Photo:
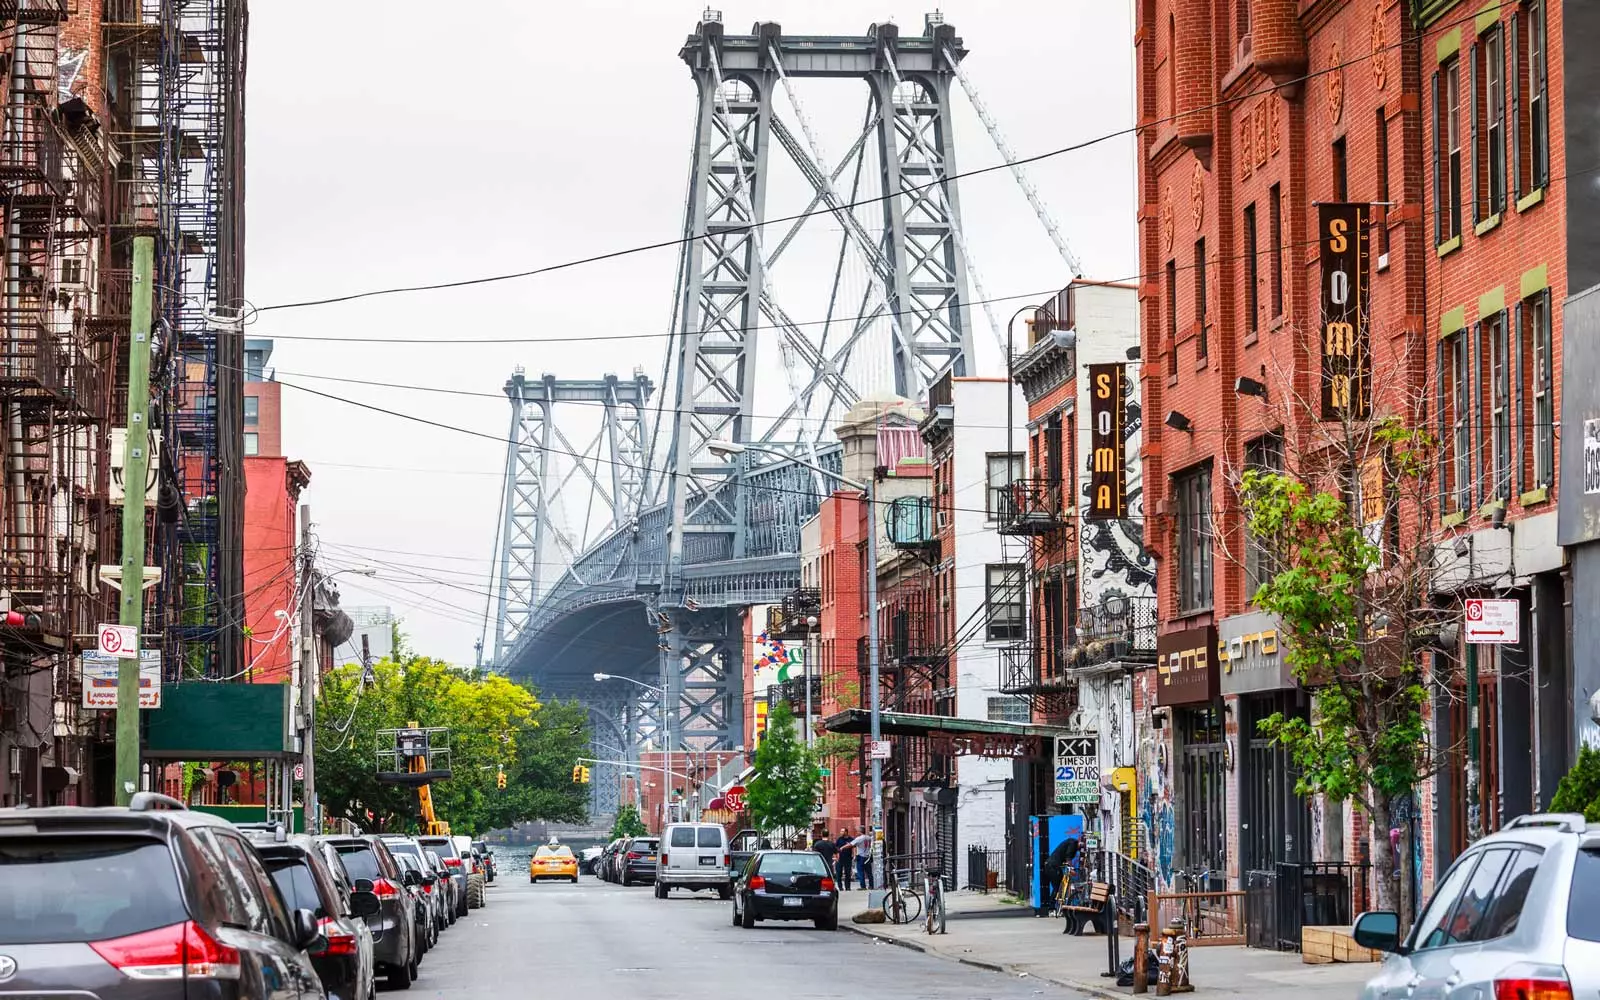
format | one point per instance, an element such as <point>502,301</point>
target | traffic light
<point>577,773</point>
<point>500,780</point>
<point>585,776</point>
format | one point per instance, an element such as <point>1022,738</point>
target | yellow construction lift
<point>416,756</point>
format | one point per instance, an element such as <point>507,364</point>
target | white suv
<point>694,856</point>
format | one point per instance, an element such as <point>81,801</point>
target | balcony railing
<point>1034,667</point>
<point>793,691</point>
<point>910,523</point>
<point>1120,628</point>
<point>1032,507</point>
<point>797,616</point>
<point>32,151</point>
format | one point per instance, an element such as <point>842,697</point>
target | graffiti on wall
<point>1157,819</point>
<point>69,64</point>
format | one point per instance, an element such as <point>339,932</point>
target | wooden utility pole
<point>135,471</point>
<point>308,673</point>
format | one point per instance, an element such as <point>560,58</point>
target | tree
<point>1346,533</point>
<point>1579,791</point>
<point>782,795</point>
<point>628,823</point>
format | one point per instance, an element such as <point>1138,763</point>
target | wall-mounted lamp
<point>1462,546</point>
<point>1178,422</point>
<point>1244,385</point>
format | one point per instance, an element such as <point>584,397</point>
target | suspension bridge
<point>635,547</point>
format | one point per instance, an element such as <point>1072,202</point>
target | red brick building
<point>273,485</point>
<point>1432,120</point>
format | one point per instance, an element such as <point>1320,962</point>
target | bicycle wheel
<point>894,907</point>
<point>937,905</point>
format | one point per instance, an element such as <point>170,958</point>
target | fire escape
<point>1036,668</point>
<point>913,678</point>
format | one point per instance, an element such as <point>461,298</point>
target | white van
<point>694,856</point>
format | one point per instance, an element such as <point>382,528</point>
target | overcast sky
<point>389,145</point>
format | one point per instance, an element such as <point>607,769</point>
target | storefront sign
<point>1186,665</point>
<point>1078,769</point>
<point>1346,363</point>
<point>1108,476</point>
<point>100,679</point>
<point>987,745</point>
<point>1250,655</point>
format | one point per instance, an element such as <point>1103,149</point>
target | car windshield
<point>85,889</point>
<point>360,861</point>
<point>297,885</point>
<point>683,836</point>
<point>643,846</point>
<point>710,837</point>
<point>793,863</point>
<point>444,845</point>
<point>553,852</point>
<point>399,847</point>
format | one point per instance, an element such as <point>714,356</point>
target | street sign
<point>299,772</point>
<point>825,771</point>
<point>734,798</point>
<point>1493,620</point>
<point>1078,769</point>
<point>100,679</point>
<point>880,750</point>
<point>121,641</point>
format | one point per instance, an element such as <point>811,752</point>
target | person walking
<point>824,846</point>
<point>844,868</point>
<point>861,848</point>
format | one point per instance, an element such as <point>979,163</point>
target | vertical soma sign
<point>1108,477</point>
<point>1346,363</point>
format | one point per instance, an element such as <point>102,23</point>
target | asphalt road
<point>597,941</point>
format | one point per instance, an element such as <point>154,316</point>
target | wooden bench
<point>1081,915</point>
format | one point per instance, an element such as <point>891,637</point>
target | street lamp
<point>875,807</point>
<point>666,722</point>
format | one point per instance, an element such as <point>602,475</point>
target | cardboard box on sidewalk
<point>1326,945</point>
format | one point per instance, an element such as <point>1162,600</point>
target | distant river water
<point>512,859</point>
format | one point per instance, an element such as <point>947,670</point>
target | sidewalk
<point>1025,945</point>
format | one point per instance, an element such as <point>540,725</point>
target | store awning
<point>976,736</point>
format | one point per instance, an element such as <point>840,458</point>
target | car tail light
<point>452,862</point>
<point>725,861</point>
<point>827,885</point>
<point>339,943</point>
<point>427,887</point>
<point>384,889</point>
<point>634,855</point>
<point>663,861</point>
<point>175,952</point>
<point>757,882</point>
<point>1532,989</point>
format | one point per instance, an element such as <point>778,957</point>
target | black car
<point>394,932</point>
<point>637,859</point>
<point>151,902</point>
<point>786,885</point>
<point>300,870</point>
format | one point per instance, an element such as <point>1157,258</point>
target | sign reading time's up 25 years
<point>1108,480</point>
<point>1346,362</point>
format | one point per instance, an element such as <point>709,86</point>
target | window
<point>1200,297</point>
<point>1447,151</point>
<point>1172,317</point>
<point>1511,894</point>
<point>1004,599</point>
<point>254,363</point>
<point>71,271</point>
<point>1172,65</point>
<point>252,409</point>
<point>1009,709</point>
<point>1381,144</point>
<point>88,888</point>
<point>1489,125</point>
<point>1583,905</point>
<point>682,836</point>
<point>1341,172</point>
<point>1499,393</point>
<point>1193,491</point>
<point>297,885</point>
<point>1530,106</point>
<point>1458,377</point>
<point>1004,469</point>
<point>252,443</point>
<point>1252,273</point>
<point>706,836</point>
<point>1537,385</point>
<point>1436,918</point>
<point>1264,454</point>
<point>1275,236</point>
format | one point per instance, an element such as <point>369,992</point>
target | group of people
<point>848,857</point>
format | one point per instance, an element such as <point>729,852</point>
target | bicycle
<point>933,886</point>
<point>902,903</point>
<point>1193,914</point>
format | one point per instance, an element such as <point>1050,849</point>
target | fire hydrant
<point>1173,959</point>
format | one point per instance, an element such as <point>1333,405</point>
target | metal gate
<point>1203,838</point>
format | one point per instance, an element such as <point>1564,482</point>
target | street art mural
<point>773,661</point>
<point>1157,820</point>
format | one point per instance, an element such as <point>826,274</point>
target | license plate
<point>708,861</point>
<point>792,901</point>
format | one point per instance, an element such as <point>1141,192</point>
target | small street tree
<point>782,796</point>
<point>628,823</point>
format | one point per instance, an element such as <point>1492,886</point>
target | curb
<point>1092,989</point>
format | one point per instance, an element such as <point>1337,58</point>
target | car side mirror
<point>412,877</point>
<point>1379,930</point>
<point>307,935</point>
<point>363,903</point>
<point>363,885</point>
<point>429,879</point>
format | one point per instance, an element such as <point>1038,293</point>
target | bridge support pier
<point>702,669</point>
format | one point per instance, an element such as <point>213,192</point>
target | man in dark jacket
<point>824,846</point>
<point>846,864</point>
<point>1055,867</point>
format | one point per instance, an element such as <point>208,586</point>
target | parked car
<point>638,860</point>
<point>607,863</point>
<point>743,846</point>
<point>446,886</point>
<point>587,859</point>
<point>394,932</point>
<point>553,861</point>
<point>694,856</point>
<point>1516,916</point>
<point>151,902</point>
<point>299,869</point>
<point>454,863</point>
<point>412,879</point>
<point>486,853</point>
<point>475,883</point>
<point>429,885</point>
<point>786,885</point>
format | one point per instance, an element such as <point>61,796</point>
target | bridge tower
<point>541,461</point>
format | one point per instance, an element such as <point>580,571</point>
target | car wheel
<point>416,969</point>
<point>748,918</point>
<point>626,881</point>
<point>661,890</point>
<point>399,977</point>
<point>828,923</point>
<point>574,880</point>
<point>725,892</point>
<point>734,909</point>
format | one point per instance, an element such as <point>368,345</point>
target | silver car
<point>1517,917</point>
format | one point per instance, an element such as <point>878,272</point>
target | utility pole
<point>308,674</point>
<point>135,471</point>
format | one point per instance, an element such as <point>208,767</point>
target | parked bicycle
<point>1194,914</point>
<point>933,887</point>
<point>902,901</point>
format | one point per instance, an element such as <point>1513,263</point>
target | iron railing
<point>1120,628</point>
<point>910,523</point>
<point>1283,900</point>
<point>793,691</point>
<point>1131,881</point>
<point>1032,507</point>
<point>986,869</point>
<point>1035,667</point>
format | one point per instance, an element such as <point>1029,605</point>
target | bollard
<point>1180,958</point>
<point>1141,959</point>
<point>1164,962</point>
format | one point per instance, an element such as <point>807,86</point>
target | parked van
<point>694,856</point>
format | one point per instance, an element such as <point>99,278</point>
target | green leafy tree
<point>1347,536</point>
<point>1579,791</point>
<point>782,795</point>
<point>628,823</point>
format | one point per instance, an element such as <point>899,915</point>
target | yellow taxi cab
<point>553,861</point>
